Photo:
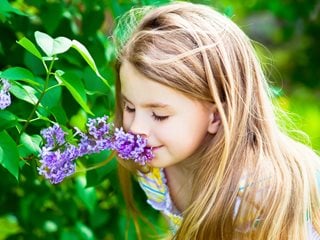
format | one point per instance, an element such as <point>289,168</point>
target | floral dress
<point>154,184</point>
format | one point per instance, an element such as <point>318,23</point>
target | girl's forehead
<point>132,80</point>
<point>141,90</point>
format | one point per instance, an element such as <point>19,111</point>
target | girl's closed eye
<point>158,117</point>
<point>128,108</point>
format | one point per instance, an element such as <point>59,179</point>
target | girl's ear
<point>214,121</point>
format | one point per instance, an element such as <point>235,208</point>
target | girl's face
<point>174,124</point>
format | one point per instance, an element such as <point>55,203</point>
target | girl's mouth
<point>156,148</point>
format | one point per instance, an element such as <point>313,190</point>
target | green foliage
<point>60,64</point>
<point>9,156</point>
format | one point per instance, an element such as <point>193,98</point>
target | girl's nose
<point>138,126</point>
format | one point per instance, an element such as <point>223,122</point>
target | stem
<point>48,70</point>
<point>100,164</point>
<point>52,87</point>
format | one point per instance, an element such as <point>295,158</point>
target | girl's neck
<point>179,182</point>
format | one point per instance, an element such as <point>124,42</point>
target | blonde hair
<point>203,54</point>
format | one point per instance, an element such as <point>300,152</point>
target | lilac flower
<point>89,145</point>
<point>54,136</point>
<point>58,156</point>
<point>58,164</point>
<point>132,147</point>
<point>5,99</point>
<point>99,127</point>
<point>98,137</point>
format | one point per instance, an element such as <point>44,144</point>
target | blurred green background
<point>90,205</point>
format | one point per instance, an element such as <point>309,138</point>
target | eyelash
<point>159,118</point>
<point>155,116</point>
<point>129,109</point>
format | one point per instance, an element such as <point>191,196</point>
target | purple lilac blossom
<point>132,146</point>
<point>58,156</point>
<point>99,127</point>
<point>5,99</point>
<point>57,165</point>
<point>54,136</point>
<point>98,137</point>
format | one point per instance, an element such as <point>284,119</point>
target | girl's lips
<point>156,148</point>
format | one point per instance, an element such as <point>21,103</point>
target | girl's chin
<point>158,163</point>
<point>155,163</point>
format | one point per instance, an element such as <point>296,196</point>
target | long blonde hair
<point>203,54</point>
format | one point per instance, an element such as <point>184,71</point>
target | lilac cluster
<point>58,155</point>
<point>131,146</point>
<point>5,99</point>
<point>98,137</point>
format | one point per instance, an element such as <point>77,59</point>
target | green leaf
<point>32,143</point>
<point>74,84</point>
<point>9,157</point>
<point>30,47</point>
<point>51,15</point>
<point>78,231</point>
<point>96,176</point>
<point>79,120</point>
<point>68,234</point>
<point>87,57</point>
<point>84,231</point>
<point>9,226</point>
<point>87,195</point>
<point>24,92</point>
<point>52,46</point>
<point>19,73</point>
<point>7,119</point>
<point>6,8</point>
<point>93,84</point>
<point>52,96</point>
<point>59,114</point>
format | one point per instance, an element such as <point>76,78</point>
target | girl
<point>189,81</point>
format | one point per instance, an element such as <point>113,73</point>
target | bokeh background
<point>90,205</point>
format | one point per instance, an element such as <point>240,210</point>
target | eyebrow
<point>149,105</point>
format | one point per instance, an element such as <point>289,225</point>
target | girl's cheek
<point>126,121</point>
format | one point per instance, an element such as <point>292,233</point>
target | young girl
<point>190,82</point>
